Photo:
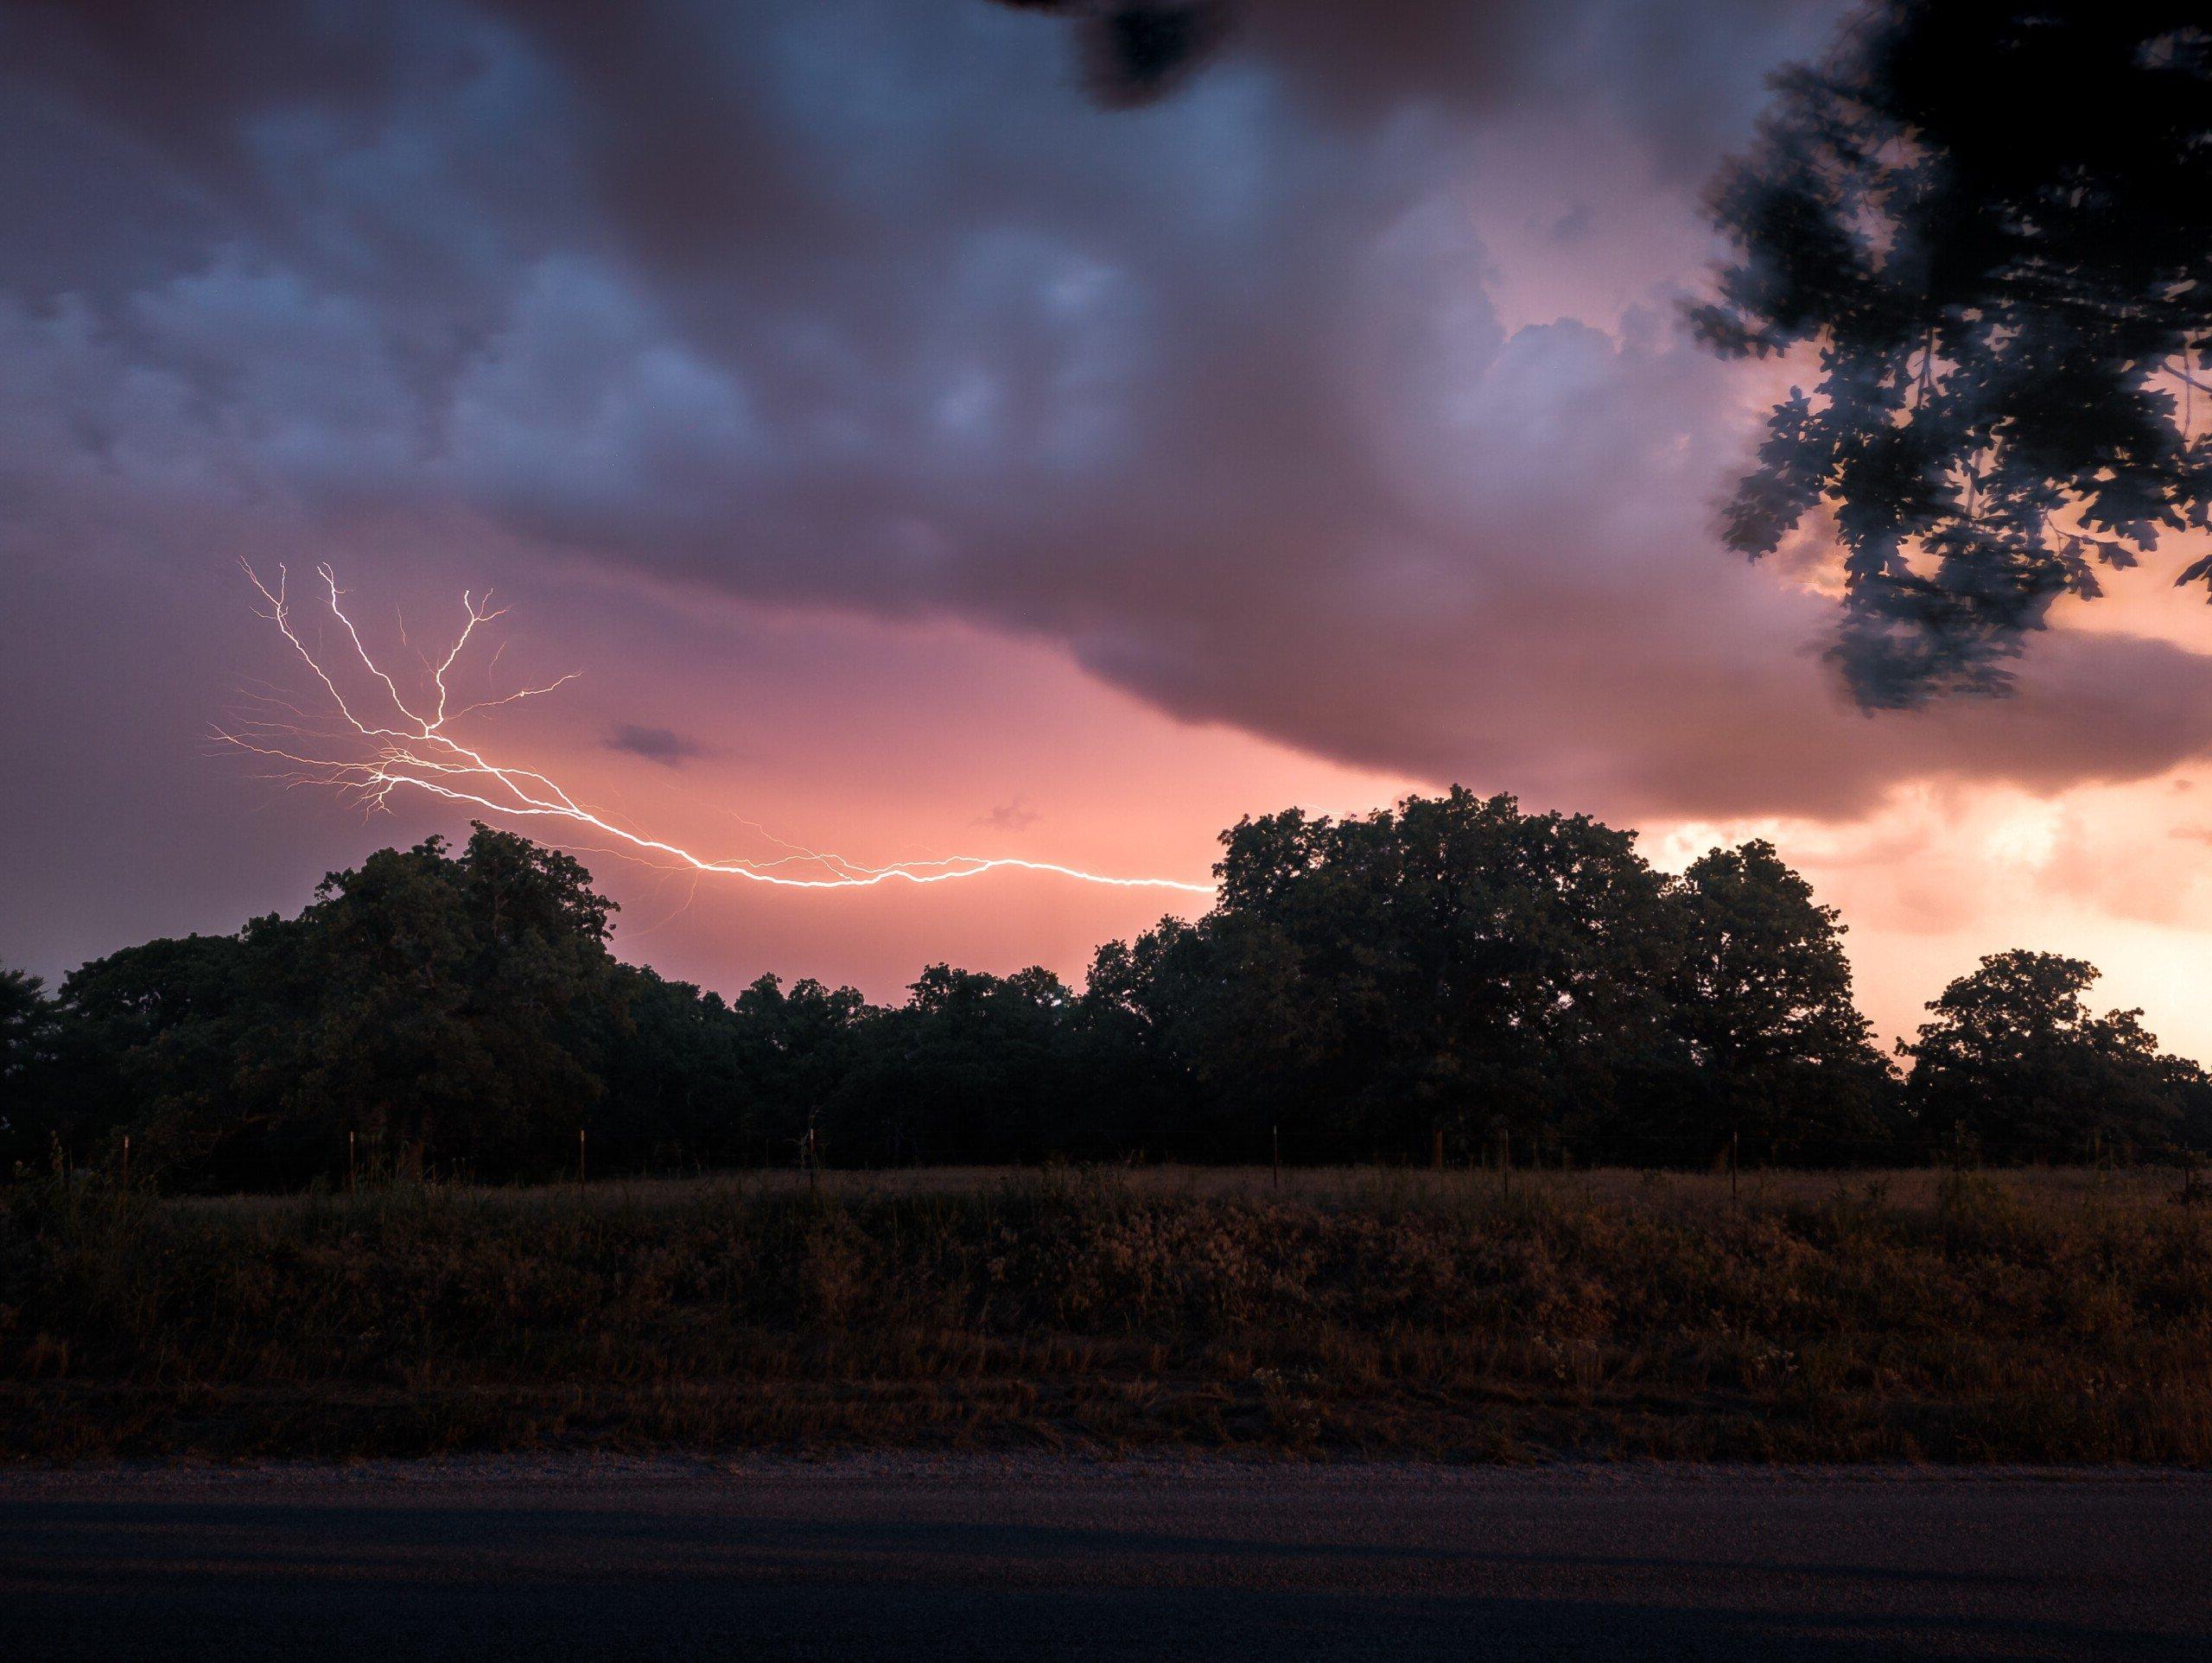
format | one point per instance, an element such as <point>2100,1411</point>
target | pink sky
<point>891,742</point>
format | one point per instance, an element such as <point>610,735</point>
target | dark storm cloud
<point>866,305</point>
<point>662,745</point>
<point>1684,72</point>
<point>1014,816</point>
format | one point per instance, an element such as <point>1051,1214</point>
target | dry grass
<point>2044,1316</point>
<point>1906,1189</point>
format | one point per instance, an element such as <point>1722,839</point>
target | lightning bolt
<point>412,748</point>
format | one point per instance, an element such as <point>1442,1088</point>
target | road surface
<point>1032,1557</point>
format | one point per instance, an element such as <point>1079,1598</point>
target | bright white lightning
<point>412,749</point>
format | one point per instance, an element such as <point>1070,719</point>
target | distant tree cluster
<point>1436,977</point>
<point>2015,1056</point>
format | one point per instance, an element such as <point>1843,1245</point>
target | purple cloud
<point>662,745</point>
<point>1251,399</point>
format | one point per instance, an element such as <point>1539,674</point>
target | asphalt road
<point>1035,1558</point>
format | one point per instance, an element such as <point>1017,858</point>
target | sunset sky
<point>911,456</point>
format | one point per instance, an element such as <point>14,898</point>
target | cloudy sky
<point>910,454</point>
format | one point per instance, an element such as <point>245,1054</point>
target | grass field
<point>2044,1316</point>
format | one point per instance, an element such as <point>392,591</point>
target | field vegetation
<point>2034,1316</point>
<point>1527,1088</point>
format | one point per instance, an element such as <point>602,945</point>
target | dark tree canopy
<point>1454,957</point>
<point>1456,965</point>
<point>2015,1062</point>
<point>1436,974</point>
<point>974,1068</point>
<point>437,1008</point>
<point>1761,996</point>
<point>1994,220</point>
<point>27,1033</point>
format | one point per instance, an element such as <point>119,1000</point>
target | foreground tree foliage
<point>1986,227</point>
<point>1993,219</point>
<point>1449,975</point>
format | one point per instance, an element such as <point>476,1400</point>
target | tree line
<point>1451,977</point>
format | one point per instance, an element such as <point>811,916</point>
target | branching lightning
<point>413,748</point>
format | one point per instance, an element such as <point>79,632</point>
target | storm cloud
<point>664,745</point>
<point>1285,400</point>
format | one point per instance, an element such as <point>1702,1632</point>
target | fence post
<point>1275,1139</point>
<point>1505,1163</point>
<point>126,1160</point>
<point>1734,1134</point>
<point>580,1162</point>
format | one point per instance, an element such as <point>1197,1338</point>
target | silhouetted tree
<point>466,1003</point>
<point>677,1086</point>
<point>1442,966</point>
<point>1994,218</point>
<point>974,1068</point>
<point>441,1009</point>
<point>29,1028</point>
<point>2015,1063</point>
<point>1150,1008</point>
<point>180,1041</point>
<point>23,1016</point>
<point>1777,1052</point>
<point>1370,981</point>
<point>796,1049</point>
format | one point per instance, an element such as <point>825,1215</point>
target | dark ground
<point>1020,1557</point>
<point>2059,1318</point>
